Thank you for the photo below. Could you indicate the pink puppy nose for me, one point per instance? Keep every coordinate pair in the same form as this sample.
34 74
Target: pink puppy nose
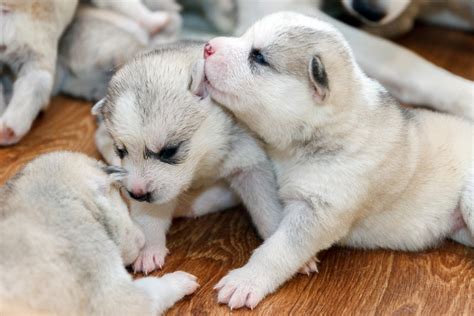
208 50
138 189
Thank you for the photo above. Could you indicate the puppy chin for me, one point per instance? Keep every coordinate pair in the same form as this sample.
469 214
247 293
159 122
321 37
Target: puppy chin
220 96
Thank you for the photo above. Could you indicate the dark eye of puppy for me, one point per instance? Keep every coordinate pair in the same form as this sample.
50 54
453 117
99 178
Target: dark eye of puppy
166 155
121 152
256 56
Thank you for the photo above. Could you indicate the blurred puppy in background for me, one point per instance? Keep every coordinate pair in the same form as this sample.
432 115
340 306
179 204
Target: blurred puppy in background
393 18
28 46
30 33
98 41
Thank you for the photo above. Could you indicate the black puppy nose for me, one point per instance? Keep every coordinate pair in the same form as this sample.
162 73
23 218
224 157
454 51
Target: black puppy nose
141 198
368 10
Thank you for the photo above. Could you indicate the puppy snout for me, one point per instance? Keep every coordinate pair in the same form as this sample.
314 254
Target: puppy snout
140 196
369 10
208 50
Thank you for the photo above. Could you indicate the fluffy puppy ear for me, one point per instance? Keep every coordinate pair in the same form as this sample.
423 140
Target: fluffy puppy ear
197 85
98 107
319 78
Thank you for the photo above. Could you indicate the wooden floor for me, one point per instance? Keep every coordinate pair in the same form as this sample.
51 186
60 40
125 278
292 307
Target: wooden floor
434 282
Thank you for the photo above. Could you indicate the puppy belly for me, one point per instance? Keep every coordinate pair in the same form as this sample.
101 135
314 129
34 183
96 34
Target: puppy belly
407 230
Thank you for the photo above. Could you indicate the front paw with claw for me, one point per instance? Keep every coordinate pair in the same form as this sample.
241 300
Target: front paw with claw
241 289
310 267
150 258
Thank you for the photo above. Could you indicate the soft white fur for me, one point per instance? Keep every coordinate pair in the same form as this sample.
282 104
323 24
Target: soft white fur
65 236
353 167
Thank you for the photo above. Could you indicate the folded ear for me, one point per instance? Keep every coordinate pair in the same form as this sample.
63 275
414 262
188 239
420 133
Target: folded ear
197 86
97 108
319 78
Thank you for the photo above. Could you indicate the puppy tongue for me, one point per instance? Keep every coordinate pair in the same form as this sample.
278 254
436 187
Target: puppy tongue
198 80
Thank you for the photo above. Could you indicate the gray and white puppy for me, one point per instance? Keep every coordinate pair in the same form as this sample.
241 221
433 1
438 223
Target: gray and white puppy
353 167
171 138
65 236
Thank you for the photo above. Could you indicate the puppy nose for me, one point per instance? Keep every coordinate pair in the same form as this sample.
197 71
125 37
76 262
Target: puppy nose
368 10
140 196
208 50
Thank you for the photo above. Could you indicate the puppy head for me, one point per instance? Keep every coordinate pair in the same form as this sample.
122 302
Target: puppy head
155 122
377 12
287 73
95 185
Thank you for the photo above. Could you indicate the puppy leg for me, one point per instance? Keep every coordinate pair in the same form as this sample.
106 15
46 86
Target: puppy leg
31 92
257 189
168 289
150 296
155 221
135 9
303 232
213 199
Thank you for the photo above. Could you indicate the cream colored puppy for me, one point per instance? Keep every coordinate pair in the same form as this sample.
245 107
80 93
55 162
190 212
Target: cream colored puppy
353 167
65 236
30 31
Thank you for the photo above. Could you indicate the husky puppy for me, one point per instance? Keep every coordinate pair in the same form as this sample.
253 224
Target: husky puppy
353 167
28 46
171 138
65 236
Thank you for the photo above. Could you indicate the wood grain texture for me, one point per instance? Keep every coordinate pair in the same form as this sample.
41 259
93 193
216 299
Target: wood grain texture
434 282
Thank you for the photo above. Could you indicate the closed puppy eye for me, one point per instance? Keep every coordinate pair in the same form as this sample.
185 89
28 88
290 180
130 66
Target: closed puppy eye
257 57
121 151
166 154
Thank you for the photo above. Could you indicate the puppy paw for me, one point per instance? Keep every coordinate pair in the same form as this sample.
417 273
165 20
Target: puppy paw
181 282
149 259
156 21
168 289
7 135
310 267
239 289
